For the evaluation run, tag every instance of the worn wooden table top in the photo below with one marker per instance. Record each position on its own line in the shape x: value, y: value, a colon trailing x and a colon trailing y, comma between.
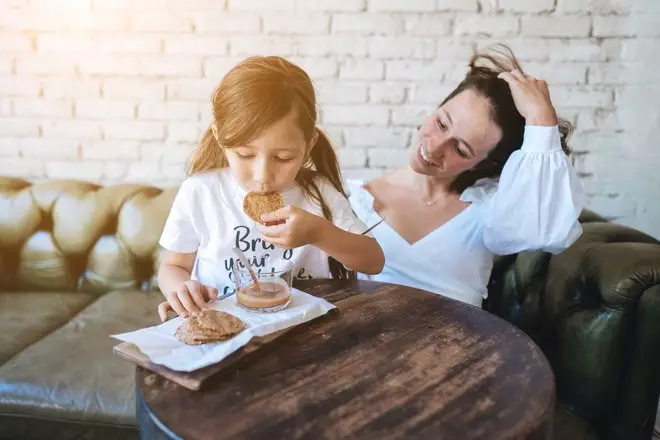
x: 394, y: 362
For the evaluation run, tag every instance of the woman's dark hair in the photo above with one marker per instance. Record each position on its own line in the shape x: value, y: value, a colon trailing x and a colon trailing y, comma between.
x: 482, y: 78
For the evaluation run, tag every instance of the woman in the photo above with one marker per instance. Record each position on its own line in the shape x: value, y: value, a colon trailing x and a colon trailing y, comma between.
x: 488, y: 175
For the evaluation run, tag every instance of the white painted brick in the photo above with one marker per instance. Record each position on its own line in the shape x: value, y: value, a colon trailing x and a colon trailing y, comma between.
x: 130, y: 43
x: 341, y: 92
x: 335, y: 134
x: 618, y: 7
x: 44, y: 64
x: 113, y: 172
x: 389, y: 137
x: 171, y: 65
x: 16, y: 43
x: 104, y: 109
x: 99, y: 64
x: 494, y: 26
x: 401, y: 5
x: 111, y: 150
x: 416, y: 70
x: 67, y: 87
x: 195, y: 45
x: 638, y: 49
x: 231, y: 23
x: 143, y: 172
x: 458, y: 5
x: 526, y: 6
x: 65, y: 43
x: 71, y: 129
x: 581, y: 96
x: 388, y: 157
x: 355, y: 115
x: 546, y: 26
x: 387, y: 93
x: 216, y: 68
x: 18, y: 127
x: 48, y: 149
x: 364, y: 174
x: 127, y: 4
x: 133, y: 88
x: 72, y: 6
x: 364, y: 23
x: 87, y: 170
x: 410, y: 116
x: 172, y: 172
x: 332, y: 46
x: 259, y: 5
x: 364, y: 69
x: 629, y: 26
x: 134, y: 130
x: 401, y: 47
x: 58, y: 108
x: 352, y: 158
x: 6, y: 65
x: 260, y: 45
x: 166, y: 21
x: 8, y: 148
x: 63, y: 20
x: 5, y: 107
x: 16, y: 86
x: 184, y: 131
x: 429, y: 25
x: 153, y: 152
x: 332, y: 5
x: 611, y: 205
x: 317, y: 68
x: 169, y: 110
x: 25, y: 168
x: 558, y: 73
x: 454, y: 49
x: 612, y: 73
x: 303, y: 24
x: 191, y: 89
x: 430, y: 93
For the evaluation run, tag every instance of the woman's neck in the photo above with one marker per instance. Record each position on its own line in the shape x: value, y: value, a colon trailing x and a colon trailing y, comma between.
x: 429, y: 188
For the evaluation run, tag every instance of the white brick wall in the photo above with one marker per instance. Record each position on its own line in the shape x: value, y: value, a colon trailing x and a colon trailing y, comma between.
x: 118, y: 90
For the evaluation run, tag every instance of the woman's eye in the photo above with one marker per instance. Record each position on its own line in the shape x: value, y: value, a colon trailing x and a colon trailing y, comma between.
x: 440, y: 124
x: 459, y: 151
x: 245, y: 156
x: 284, y: 159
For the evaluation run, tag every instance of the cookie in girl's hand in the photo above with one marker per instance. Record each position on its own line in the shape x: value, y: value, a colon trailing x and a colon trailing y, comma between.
x: 257, y: 204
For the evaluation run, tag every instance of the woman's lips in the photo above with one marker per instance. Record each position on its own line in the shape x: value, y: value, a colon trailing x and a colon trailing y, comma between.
x: 423, y: 157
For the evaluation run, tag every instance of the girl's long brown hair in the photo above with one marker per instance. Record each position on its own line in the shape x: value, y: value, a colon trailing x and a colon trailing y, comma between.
x: 254, y: 95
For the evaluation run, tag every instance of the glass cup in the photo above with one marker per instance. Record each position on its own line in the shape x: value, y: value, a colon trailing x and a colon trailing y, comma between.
x: 273, y: 292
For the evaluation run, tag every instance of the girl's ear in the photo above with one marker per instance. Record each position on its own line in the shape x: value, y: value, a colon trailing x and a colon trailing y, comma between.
x: 214, y: 129
x: 312, y: 142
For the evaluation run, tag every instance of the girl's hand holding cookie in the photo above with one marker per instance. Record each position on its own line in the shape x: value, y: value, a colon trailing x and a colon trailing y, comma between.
x: 294, y: 227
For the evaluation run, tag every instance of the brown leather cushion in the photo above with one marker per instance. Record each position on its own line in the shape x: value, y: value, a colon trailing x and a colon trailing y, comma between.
x: 26, y: 317
x: 72, y: 374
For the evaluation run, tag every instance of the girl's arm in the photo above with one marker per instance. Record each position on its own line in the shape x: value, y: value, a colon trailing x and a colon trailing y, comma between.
x: 358, y: 252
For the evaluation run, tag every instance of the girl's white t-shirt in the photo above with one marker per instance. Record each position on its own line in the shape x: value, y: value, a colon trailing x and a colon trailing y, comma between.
x: 207, y: 217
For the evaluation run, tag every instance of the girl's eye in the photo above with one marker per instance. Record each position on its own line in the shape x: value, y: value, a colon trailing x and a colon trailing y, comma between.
x: 440, y: 124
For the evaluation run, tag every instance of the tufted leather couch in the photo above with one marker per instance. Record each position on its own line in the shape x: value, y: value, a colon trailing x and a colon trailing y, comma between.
x: 77, y: 263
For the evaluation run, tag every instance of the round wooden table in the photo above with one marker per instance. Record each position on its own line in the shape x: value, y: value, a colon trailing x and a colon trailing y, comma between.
x: 393, y: 362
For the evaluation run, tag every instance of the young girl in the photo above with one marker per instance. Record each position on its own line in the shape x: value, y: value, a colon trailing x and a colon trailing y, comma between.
x: 263, y: 139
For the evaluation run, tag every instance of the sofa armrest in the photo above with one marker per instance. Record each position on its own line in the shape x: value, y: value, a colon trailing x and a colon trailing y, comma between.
x: 601, y: 310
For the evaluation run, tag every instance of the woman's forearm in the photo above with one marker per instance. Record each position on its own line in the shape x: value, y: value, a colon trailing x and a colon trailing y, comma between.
x: 357, y: 252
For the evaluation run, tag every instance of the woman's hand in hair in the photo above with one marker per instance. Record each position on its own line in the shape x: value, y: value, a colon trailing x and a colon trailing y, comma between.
x: 532, y: 98
x: 294, y: 227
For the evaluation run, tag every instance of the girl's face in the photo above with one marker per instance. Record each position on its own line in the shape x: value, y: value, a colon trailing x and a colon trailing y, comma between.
x: 270, y: 163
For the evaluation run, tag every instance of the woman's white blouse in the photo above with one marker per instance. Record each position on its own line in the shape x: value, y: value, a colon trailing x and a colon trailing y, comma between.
x: 534, y: 206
